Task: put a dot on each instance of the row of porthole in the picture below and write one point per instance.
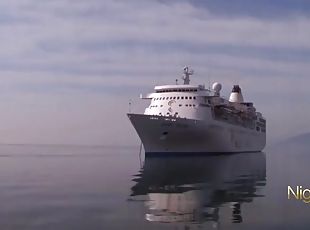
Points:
(168, 114)
(187, 105)
(174, 98)
(177, 90)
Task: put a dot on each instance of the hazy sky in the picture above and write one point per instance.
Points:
(69, 67)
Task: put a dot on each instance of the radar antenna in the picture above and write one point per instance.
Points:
(187, 72)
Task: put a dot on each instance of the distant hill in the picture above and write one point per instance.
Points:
(302, 139)
(296, 144)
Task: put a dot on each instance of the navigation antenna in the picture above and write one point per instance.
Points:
(187, 72)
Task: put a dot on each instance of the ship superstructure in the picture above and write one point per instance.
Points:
(190, 118)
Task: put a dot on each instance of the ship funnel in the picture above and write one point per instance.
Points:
(236, 95)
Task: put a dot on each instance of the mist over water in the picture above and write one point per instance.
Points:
(71, 187)
(71, 70)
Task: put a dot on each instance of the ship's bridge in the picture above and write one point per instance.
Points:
(179, 100)
(179, 88)
(186, 101)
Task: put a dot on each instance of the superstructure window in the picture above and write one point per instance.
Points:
(182, 98)
(194, 98)
(190, 97)
(174, 98)
(186, 97)
(262, 120)
(176, 90)
(178, 98)
(180, 105)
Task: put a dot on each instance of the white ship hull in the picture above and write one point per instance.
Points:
(160, 134)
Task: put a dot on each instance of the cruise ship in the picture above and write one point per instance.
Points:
(186, 118)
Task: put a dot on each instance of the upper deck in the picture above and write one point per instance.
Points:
(179, 88)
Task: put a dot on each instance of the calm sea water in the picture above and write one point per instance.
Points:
(63, 187)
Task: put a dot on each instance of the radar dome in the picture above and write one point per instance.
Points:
(216, 87)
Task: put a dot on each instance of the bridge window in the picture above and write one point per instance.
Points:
(178, 98)
(194, 98)
(190, 97)
(186, 97)
(182, 98)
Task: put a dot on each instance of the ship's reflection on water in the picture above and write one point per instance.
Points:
(195, 189)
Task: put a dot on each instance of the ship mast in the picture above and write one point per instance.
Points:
(187, 72)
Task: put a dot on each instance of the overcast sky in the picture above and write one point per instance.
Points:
(69, 67)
